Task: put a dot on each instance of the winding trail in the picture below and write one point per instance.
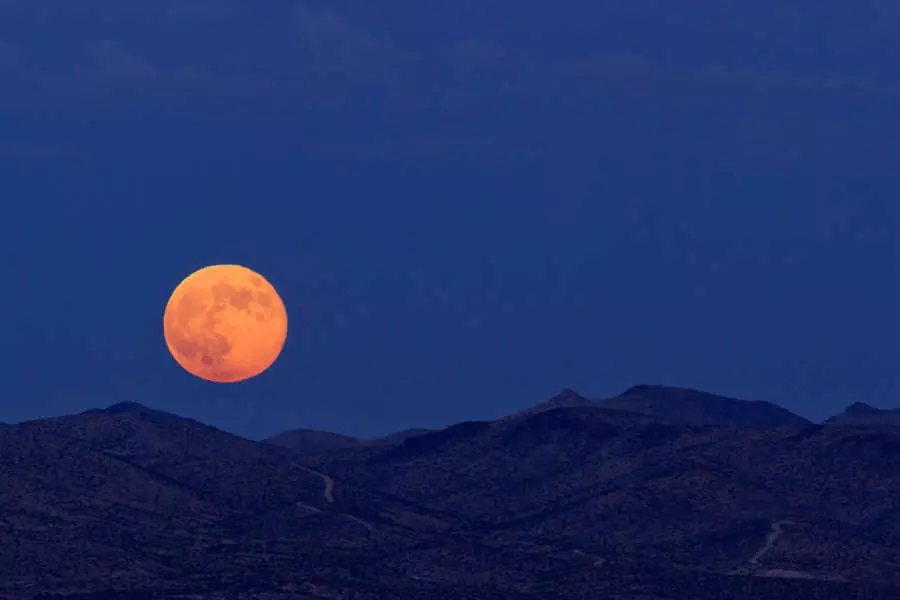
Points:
(328, 496)
(598, 561)
(302, 504)
(328, 492)
(752, 565)
(774, 534)
(360, 521)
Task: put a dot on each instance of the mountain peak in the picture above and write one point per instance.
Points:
(641, 388)
(567, 397)
(126, 407)
(860, 413)
(685, 405)
(135, 410)
(861, 408)
(312, 440)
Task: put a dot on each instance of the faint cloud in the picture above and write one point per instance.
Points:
(886, 15)
(471, 55)
(775, 80)
(760, 80)
(9, 56)
(336, 48)
(608, 64)
(36, 152)
(203, 10)
(429, 148)
(115, 68)
(115, 62)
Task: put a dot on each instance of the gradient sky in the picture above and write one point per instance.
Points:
(466, 206)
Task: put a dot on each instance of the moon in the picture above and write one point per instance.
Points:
(225, 323)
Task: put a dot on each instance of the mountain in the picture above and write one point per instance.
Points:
(682, 405)
(577, 500)
(564, 398)
(860, 413)
(397, 437)
(135, 498)
(610, 483)
(311, 441)
(76, 514)
(232, 471)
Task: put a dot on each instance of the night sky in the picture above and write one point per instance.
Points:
(466, 206)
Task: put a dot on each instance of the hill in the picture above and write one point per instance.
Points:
(682, 405)
(578, 499)
(311, 441)
(860, 413)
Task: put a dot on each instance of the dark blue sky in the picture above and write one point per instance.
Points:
(466, 206)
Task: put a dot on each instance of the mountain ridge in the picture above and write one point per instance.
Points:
(688, 405)
(642, 398)
(860, 413)
(571, 501)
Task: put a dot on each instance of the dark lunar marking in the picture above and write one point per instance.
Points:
(187, 348)
(264, 299)
(221, 291)
(209, 348)
(256, 281)
(240, 299)
(210, 321)
(260, 317)
(222, 346)
(191, 304)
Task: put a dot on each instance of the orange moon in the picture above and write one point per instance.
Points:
(225, 323)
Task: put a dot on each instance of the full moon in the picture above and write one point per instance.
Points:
(225, 323)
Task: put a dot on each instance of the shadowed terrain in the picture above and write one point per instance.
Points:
(658, 493)
(860, 413)
(312, 440)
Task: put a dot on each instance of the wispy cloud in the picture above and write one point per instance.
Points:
(632, 65)
(334, 47)
(113, 68)
(429, 148)
(203, 10)
(9, 56)
(335, 53)
(114, 62)
(18, 151)
(472, 55)
(612, 63)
